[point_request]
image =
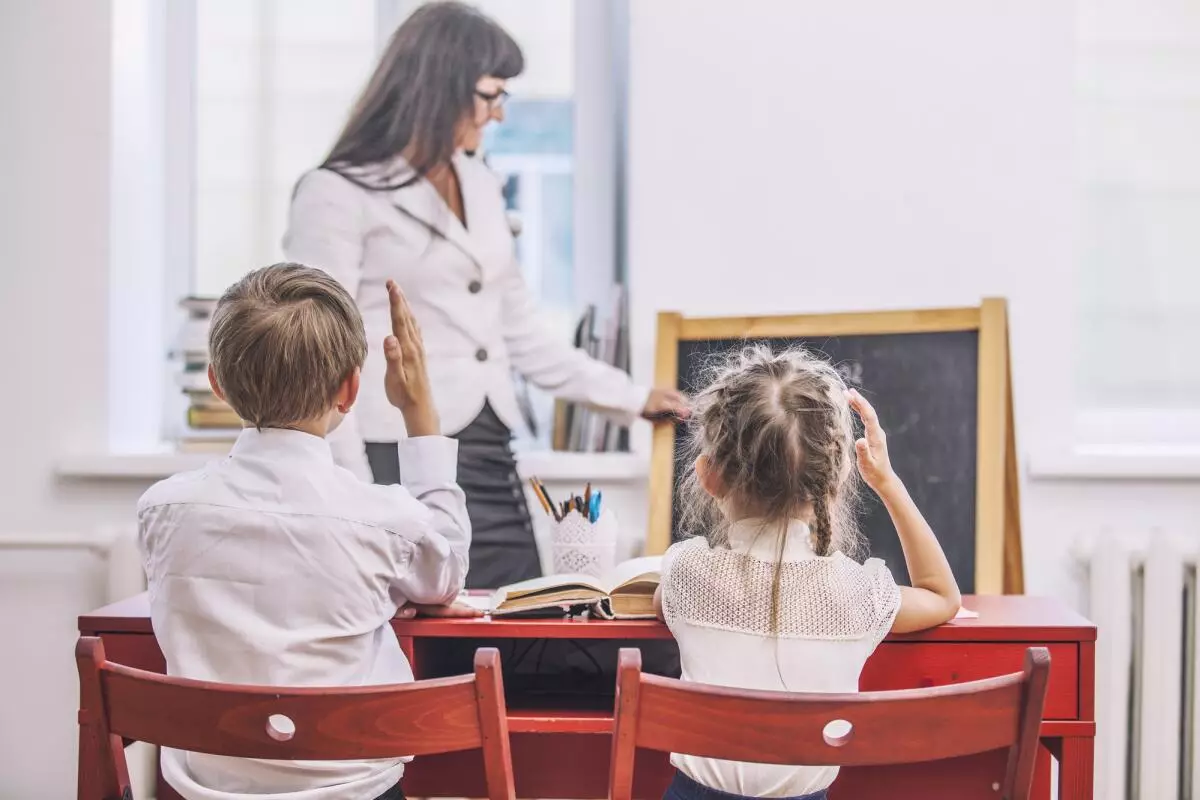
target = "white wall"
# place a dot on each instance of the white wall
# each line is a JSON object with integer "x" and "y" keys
{"x": 808, "y": 157}
{"x": 54, "y": 159}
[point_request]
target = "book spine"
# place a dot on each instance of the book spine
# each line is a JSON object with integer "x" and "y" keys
{"x": 561, "y": 421}
{"x": 206, "y": 418}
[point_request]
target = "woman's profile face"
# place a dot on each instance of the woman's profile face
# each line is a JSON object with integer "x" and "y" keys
{"x": 489, "y": 105}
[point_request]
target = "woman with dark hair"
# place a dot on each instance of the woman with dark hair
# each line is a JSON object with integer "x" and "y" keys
{"x": 402, "y": 196}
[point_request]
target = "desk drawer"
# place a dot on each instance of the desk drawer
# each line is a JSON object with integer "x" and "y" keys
{"x": 908, "y": 665}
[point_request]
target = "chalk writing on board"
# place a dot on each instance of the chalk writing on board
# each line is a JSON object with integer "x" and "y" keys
{"x": 851, "y": 372}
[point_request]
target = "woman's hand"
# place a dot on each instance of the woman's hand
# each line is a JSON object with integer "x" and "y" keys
{"x": 406, "y": 380}
{"x": 455, "y": 610}
{"x": 664, "y": 405}
{"x": 873, "y": 462}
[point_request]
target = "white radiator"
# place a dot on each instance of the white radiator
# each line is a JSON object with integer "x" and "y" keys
{"x": 1142, "y": 596}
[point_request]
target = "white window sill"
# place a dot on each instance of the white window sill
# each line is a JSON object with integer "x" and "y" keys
{"x": 547, "y": 466}
{"x": 1118, "y": 462}
{"x": 1123, "y": 462}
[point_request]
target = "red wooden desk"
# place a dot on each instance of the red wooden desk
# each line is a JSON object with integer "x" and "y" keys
{"x": 564, "y": 753}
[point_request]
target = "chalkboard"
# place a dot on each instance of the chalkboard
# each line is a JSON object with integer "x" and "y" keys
{"x": 939, "y": 382}
{"x": 924, "y": 387}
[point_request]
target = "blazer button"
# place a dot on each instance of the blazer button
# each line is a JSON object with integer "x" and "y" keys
{"x": 474, "y": 287}
{"x": 481, "y": 354}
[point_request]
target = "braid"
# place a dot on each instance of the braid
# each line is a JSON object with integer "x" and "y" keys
{"x": 823, "y": 525}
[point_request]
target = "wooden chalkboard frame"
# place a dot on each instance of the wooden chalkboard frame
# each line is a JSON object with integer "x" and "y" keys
{"x": 998, "y": 553}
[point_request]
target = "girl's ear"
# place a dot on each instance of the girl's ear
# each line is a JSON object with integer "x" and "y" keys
{"x": 709, "y": 479}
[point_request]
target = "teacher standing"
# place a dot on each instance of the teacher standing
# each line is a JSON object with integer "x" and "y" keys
{"x": 402, "y": 196}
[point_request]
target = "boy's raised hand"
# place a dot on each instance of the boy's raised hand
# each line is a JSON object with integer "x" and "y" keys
{"x": 873, "y": 462}
{"x": 406, "y": 380}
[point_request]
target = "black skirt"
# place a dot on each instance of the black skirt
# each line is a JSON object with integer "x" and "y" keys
{"x": 503, "y": 548}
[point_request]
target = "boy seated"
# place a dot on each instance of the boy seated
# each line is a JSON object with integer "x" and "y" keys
{"x": 274, "y": 566}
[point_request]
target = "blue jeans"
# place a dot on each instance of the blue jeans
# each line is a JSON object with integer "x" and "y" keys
{"x": 684, "y": 788}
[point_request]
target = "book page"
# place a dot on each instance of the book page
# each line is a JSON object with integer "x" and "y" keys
{"x": 479, "y": 602}
{"x": 547, "y": 583}
{"x": 627, "y": 572}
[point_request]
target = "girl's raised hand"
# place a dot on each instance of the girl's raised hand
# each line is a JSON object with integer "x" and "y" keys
{"x": 873, "y": 462}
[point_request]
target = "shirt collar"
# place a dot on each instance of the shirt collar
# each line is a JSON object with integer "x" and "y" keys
{"x": 281, "y": 443}
{"x": 758, "y": 538}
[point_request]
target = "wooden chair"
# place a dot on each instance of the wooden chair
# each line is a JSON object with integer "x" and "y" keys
{"x": 899, "y": 727}
{"x": 363, "y": 722}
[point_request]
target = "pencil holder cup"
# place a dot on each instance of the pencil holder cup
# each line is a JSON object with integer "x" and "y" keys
{"x": 582, "y": 547}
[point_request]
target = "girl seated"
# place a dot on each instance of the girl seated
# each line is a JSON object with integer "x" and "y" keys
{"x": 766, "y": 594}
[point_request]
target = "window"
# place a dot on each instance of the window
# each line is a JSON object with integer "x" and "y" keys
{"x": 274, "y": 82}
{"x": 253, "y": 92}
{"x": 1138, "y": 377}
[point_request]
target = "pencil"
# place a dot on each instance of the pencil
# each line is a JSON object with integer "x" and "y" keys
{"x": 545, "y": 506}
{"x": 553, "y": 506}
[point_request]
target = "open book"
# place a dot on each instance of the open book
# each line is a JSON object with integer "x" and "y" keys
{"x": 627, "y": 592}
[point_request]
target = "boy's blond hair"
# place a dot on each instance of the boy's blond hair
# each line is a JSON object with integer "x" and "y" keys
{"x": 282, "y": 341}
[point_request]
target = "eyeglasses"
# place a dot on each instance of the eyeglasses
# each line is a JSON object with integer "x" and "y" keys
{"x": 494, "y": 99}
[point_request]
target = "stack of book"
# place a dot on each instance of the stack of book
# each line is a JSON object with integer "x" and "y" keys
{"x": 210, "y": 425}
{"x": 604, "y": 337}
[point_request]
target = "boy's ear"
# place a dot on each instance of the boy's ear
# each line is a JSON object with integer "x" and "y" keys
{"x": 212, "y": 382}
{"x": 710, "y": 481}
{"x": 348, "y": 391}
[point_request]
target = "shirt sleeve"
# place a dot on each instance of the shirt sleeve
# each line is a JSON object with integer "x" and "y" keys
{"x": 884, "y": 597}
{"x": 552, "y": 364}
{"x": 437, "y": 571}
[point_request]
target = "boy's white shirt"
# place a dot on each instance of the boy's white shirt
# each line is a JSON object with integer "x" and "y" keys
{"x": 275, "y": 566}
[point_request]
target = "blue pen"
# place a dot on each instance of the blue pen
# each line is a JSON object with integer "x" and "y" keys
{"x": 594, "y": 511}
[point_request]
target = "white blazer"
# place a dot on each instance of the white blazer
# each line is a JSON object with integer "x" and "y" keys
{"x": 477, "y": 316}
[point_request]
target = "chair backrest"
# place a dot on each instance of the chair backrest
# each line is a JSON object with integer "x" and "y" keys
{"x": 362, "y": 722}
{"x": 897, "y": 727}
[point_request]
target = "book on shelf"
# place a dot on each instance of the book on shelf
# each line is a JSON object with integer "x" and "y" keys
{"x": 191, "y": 345}
{"x": 210, "y": 424}
{"x": 199, "y": 306}
{"x": 205, "y": 399}
{"x": 576, "y": 427}
{"x": 626, "y": 592}
{"x": 214, "y": 446}
{"x": 561, "y": 424}
{"x": 193, "y": 381}
{"x": 208, "y": 418}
